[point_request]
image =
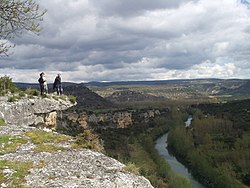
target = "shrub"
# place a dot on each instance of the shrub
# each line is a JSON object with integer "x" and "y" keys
{"x": 72, "y": 99}
{"x": 21, "y": 94}
{"x": 89, "y": 140}
{"x": 131, "y": 167}
{"x": 6, "y": 85}
{"x": 32, "y": 92}
{"x": 2, "y": 122}
{"x": 12, "y": 99}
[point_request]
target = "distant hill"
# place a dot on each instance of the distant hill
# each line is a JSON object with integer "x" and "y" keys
{"x": 241, "y": 89}
{"x": 131, "y": 96}
{"x": 150, "y": 82}
{"x": 244, "y": 89}
{"x": 87, "y": 98}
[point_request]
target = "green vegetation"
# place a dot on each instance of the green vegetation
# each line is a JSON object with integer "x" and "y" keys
{"x": 2, "y": 122}
{"x": 9, "y": 144}
{"x": 48, "y": 148}
{"x": 72, "y": 99}
{"x": 18, "y": 171}
{"x": 18, "y": 16}
{"x": 7, "y": 86}
{"x": 135, "y": 146}
{"x": 30, "y": 92}
{"x": 40, "y": 137}
{"x": 131, "y": 167}
{"x": 13, "y": 99}
{"x": 89, "y": 140}
{"x": 217, "y": 146}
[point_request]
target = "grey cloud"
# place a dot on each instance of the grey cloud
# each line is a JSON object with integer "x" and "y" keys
{"x": 132, "y": 7}
{"x": 109, "y": 39}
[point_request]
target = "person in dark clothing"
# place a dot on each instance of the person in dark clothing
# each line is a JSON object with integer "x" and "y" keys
{"x": 43, "y": 83}
{"x": 58, "y": 84}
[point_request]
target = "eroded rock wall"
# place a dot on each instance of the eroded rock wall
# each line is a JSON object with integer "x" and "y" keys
{"x": 77, "y": 122}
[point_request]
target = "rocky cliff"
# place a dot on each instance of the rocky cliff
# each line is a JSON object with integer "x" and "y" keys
{"x": 33, "y": 111}
{"x": 75, "y": 122}
{"x": 32, "y": 157}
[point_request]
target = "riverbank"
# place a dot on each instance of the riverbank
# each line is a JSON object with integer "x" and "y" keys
{"x": 216, "y": 146}
{"x": 176, "y": 166}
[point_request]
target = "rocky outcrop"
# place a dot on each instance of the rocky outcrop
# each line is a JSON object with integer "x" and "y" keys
{"x": 73, "y": 122}
{"x": 64, "y": 166}
{"x": 33, "y": 111}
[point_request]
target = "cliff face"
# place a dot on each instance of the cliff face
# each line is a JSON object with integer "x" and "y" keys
{"x": 77, "y": 122}
{"x": 55, "y": 162}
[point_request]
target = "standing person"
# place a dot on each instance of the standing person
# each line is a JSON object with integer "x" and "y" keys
{"x": 43, "y": 84}
{"x": 58, "y": 84}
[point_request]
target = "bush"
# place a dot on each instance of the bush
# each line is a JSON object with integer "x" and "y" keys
{"x": 89, "y": 140}
{"x": 131, "y": 167}
{"x": 21, "y": 94}
{"x": 32, "y": 92}
{"x": 12, "y": 99}
{"x": 72, "y": 99}
{"x": 6, "y": 85}
{"x": 2, "y": 122}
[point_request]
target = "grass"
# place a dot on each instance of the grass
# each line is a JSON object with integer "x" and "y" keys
{"x": 9, "y": 144}
{"x": 48, "y": 148}
{"x": 131, "y": 167}
{"x": 72, "y": 99}
{"x": 40, "y": 137}
{"x": 18, "y": 171}
{"x": 2, "y": 122}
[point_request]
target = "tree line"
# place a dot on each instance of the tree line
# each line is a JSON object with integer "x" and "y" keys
{"x": 217, "y": 145}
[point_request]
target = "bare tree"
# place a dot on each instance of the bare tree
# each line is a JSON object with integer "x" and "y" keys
{"x": 17, "y": 16}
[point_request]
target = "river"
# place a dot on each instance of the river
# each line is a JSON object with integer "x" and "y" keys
{"x": 161, "y": 146}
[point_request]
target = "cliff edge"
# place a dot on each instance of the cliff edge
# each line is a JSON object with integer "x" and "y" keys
{"x": 34, "y": 157}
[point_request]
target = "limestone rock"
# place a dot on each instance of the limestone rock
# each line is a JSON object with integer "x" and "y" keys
{"x": 66, "y": 167}
{"x": 32, "y": 111}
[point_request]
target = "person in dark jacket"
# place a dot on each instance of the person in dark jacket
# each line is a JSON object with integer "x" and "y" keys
{"x": 43, "y": 84}
{"x": 58, "y": 84}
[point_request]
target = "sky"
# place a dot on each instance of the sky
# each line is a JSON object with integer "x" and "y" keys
{"x": 126, "y": 40}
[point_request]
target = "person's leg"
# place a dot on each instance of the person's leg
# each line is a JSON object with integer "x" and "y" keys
{"x": 57, "y": 90}
{"x": 46, "y": 89}
{"x": 60, "y": 89}
{"x": 41, "y": 89}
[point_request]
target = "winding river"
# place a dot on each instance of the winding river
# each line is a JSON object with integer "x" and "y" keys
{"x": 177, "y": 167}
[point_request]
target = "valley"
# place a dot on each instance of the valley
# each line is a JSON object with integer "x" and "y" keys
{"x": 215, "y": 148}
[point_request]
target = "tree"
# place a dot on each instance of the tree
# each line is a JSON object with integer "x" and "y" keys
{"x": 17, "y": 16}
{"x": 6, "y": 85}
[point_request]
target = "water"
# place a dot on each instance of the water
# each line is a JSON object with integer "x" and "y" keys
{"x": 188, "y": 122}
{"x": 177, "y": 167}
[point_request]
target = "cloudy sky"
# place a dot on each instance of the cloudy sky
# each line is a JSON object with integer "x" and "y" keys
{"x": 115, "y": 40}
